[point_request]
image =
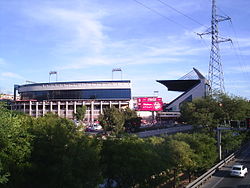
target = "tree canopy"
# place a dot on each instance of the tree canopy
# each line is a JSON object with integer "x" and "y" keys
{"x": 15, "y": 147}
{"x": 132, "y": 121}
{"x": 51, "y": 151}
{"x": 80, "y": 113}
{"x": 112, "y": 120}
{"x": 62, "y": 156}
{"x": 213, "y": 111}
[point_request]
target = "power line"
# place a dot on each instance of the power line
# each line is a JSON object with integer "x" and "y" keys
{"x": 162, "y": 15}
{"x": 237, "y": 49}
{"x": 156, "y": 12}
{"x": 238, "y": 52}
{"x": 190, "y": 18}
{"x": 222, "y": 11}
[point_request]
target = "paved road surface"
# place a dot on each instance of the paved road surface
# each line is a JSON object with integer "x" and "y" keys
{"x": 222, "y": 178}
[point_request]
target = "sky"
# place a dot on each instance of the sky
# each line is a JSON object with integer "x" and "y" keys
{"x": 149, "y": 40}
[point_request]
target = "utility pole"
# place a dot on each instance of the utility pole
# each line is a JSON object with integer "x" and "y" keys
{"x": 215, "y": 72}
{"x": 219, "y": 142}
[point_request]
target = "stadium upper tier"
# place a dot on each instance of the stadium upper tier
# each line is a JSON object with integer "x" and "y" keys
{"x": 193, "y": 85}
{"x": 82, "y": 90}
{"x": 179, "y": 85}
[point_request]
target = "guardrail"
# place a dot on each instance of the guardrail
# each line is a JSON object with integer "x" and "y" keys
{"x": 200, "y": 180}
{"x": 164, "y": 131}
{"x": 204, "y": 177}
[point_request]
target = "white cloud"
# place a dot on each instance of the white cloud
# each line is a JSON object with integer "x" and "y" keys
{"x": 239, "y": 69}
{"x": 118, "y": 61}
{"x": 11, "y": 75}
{"x": 75, "y": 29}
{"x": 171, "y": 49}
{"x": 177, "y": 51}
{"x": 243, "y": 42}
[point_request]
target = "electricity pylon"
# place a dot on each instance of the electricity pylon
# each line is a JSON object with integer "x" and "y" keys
{"x": 215, "y": 72}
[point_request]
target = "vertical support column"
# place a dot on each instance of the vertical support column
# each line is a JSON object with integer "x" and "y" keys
{"x": 66, "y": 109}
{"x": 88, "y": 117}
{"x": 36, "y": 109}
{"x": 92, "y": 112}
{"x": 110, "y": 104}
{"x": 51, "y": 106}
{"x": 131, "y": 104}
{"x": 30, "y": 108}
{"x": 119, "y": 104}
{"x": 24, "y": 107}
{"x": 101, "y": 109}
{"x": 58, "y": 108}
{"x": 43, "y": 108}
{"x": 74, "y": 107}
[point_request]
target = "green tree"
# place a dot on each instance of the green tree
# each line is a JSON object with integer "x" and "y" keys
{"x": 234, "y": 108}
{"x": 132, "y": 121}
{"x": 112, "y": 120}
{"x": 202, "y": 112}
{"x": 61, "y": 155}
{"x": 130, "y": 160}
{"x": 80, "y": 113}
{"x": 214, "y": 111}
{"x": 231, "y": 141}
{"x": 204, "y": 148}
{"x": 180, "y": 157}
{"x": 15, "y": 147}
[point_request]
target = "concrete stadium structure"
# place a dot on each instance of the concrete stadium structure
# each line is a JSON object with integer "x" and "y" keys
{"x": 193, "y": 85}
{"x": 63, "y": 98}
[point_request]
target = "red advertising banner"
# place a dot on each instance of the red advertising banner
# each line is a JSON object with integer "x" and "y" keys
{"x": 149, "y": 104}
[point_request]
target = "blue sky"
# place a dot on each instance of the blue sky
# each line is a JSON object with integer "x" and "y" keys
{"x": 86, "y": 39}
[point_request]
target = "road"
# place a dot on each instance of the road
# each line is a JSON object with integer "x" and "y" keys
{"x": 222, "y": 178}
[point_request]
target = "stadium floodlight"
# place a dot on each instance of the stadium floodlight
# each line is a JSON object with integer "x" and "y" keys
{"x": 52, "y": 72}
{"x": 116, "y": 70}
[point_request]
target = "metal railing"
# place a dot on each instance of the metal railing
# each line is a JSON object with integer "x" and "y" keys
{"x": 171, "y": 130}
{"x": 204, "y": 177}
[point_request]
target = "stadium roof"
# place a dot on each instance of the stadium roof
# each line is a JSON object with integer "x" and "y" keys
{"x": 179, "y": 85}
{"x": 185, "y": 83}
{"x": 76, "y": 82}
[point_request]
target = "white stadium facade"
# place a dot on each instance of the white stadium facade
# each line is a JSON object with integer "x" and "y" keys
{"x": 63, "y": 98}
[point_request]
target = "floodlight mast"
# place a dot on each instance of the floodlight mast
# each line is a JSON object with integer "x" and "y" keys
{"x": 52, "y": 72}
{"x": 116, "y": 70}
{"x": 215, "y": 72}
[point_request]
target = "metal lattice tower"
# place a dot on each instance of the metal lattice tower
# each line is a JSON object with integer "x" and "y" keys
{"x": 215, "y": 72}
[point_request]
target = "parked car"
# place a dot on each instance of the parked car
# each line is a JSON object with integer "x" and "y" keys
{"x": 94, "y": 127}
{"x": 238, "y": 170}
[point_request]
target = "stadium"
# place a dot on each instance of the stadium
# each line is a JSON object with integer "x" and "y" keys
{"x": 63, "y": 98}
